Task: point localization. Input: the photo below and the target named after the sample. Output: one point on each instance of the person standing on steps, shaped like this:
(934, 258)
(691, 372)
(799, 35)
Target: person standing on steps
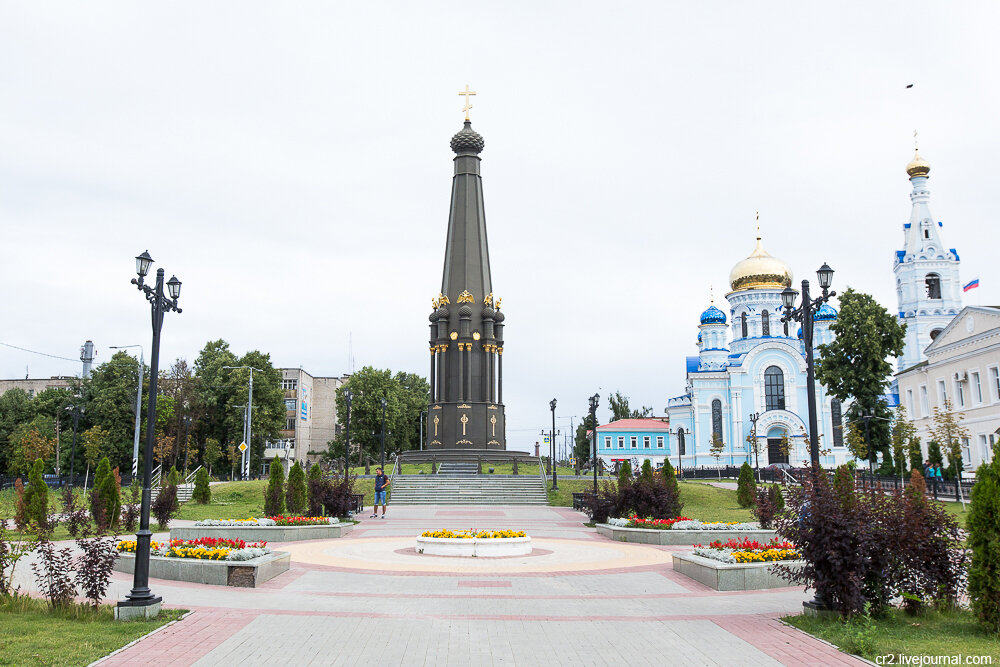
(381, 484)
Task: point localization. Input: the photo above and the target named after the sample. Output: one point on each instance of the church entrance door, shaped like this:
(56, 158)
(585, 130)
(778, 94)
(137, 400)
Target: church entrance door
(774, 454)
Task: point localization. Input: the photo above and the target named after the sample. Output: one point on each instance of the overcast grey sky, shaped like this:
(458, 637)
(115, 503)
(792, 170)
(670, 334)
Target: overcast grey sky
(290, 163)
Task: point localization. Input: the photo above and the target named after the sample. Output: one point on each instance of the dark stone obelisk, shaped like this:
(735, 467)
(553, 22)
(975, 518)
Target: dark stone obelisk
(466, 325)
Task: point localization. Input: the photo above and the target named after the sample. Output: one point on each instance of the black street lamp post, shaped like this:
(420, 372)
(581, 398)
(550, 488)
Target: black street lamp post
(754, 417)
(552, 442)
(348, 396)
(804, 314)
(381, 437)
(593, 434)
(75, 412)
(141, 596)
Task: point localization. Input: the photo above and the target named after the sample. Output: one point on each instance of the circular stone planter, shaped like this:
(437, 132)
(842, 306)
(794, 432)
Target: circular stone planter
(479, 547)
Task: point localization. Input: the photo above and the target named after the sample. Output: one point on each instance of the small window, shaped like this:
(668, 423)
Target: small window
(289, 403)
(837, 418)
(960, 393)
(717, 417)
(927, 233)
(743, 324)
(995, 382)
(645, 442)
(634, 441)
(933, 284)
(774, 388)
(607, 442)
(942, 393)
(765, 324)
(909, 403)
(289, 384)
(290, 424)
(977, 388)
(659, 442)
(924, 409)
(621, 442)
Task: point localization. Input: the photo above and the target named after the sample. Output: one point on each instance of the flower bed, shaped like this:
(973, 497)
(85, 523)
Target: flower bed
(473, 534)
(680, 523)
(203, 548)
(272, 521)
(474, 543)
(748, 551)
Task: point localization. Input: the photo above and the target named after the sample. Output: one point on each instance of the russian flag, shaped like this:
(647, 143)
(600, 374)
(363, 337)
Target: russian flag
(972, 284)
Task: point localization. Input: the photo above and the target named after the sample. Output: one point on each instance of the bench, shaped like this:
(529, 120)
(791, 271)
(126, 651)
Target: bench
(581, 500)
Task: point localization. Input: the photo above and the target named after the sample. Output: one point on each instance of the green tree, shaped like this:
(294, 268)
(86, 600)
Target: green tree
(110, 402)
(274, 495)
(625, 474)
(15, 409)
(746, 487)
(30, 441)
(174, 477)
(314, 486)
(582, 443)
(855, 365)
(716, 448)
(620, 408)
(949, 434)
(96, 443)
(36, 497)
(212, 453)
(916, 456)
(903, 432)
(934, 453)
(669, 475)
(984, 541)
(647, 470)
(296, 496)
(105, 499)
(202, 490)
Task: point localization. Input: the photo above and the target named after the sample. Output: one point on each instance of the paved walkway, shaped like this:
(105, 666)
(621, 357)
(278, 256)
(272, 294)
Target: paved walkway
(578, 599)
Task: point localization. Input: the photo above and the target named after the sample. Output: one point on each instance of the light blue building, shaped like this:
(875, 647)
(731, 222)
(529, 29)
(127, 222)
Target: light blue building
(752, 363)
(634, 440)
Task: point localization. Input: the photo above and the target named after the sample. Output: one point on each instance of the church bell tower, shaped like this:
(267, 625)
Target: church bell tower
(466, 325)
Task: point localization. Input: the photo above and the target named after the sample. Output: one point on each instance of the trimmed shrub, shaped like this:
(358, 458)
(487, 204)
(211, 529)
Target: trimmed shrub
(165, 507)
(769, 502)
(984, 541)
(338, 495)
(669, 476)
(202, 491)
(36, 497)
(606, 503)
(746, 487)
(296, 497)
(130, 509)
(316, 490)
(649, 497)
(105, 497)
(647, 470)
(274, 496)
(624, 474)
(174, 477)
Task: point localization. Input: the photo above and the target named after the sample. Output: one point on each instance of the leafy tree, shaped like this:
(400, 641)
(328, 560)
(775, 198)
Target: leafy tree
(716, 447)
(162, 448)
(36, 497)
(96, 443)
(202, 493)
(855, 365)
(29, 442)
(582, 444)
(15, 409)
(916, 456)
(406, 395)
(934, 456)
(110, 402)
(746, 487)
(903, 432)
(212, 453)
(984, 541)
(620, 408)
(295, 495)
(949, 433)
(274, 496)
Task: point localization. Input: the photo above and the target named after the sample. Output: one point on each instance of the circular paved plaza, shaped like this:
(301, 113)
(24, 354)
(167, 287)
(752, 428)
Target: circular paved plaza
(578, 599)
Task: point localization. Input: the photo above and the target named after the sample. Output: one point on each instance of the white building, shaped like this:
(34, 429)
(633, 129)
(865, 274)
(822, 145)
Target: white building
(310, 417)
(963, 366)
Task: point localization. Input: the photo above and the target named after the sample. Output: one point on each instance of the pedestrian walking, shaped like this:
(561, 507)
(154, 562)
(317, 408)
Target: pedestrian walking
(381, 484)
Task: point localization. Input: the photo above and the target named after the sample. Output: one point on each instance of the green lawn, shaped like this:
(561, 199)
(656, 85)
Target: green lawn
(931, 634)
(32, 634)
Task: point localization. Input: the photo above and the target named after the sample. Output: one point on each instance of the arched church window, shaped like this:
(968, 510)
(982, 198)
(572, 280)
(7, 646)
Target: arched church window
(743, 324)
(680, 441)
(765, 324)
(838, 423)
(774, 388)
(933, 283)
(717, 417)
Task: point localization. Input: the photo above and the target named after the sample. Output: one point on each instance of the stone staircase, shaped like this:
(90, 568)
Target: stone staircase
(459, 486)
(184, 492)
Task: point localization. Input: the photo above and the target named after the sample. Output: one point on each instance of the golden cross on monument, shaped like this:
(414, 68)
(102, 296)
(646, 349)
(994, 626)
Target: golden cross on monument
(464, 420)
(467, 106)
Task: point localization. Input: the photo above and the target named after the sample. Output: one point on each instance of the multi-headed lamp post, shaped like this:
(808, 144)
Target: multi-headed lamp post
(594, 400)
(804, 314)
(141, 601)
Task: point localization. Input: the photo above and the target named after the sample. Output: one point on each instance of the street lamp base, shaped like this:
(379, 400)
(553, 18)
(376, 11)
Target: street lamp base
(817, 607)
(130, 610)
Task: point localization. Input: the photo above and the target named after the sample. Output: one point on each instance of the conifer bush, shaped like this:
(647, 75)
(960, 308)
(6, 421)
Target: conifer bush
(274, 496)
(647, 470)
(296, 497)
(669, 475)
(984, 541)
(625, 473)
(315, 488)
(165, 507)
(36, 497)
(174, 477)
(746, 487)
(202, 493)
(105, 497)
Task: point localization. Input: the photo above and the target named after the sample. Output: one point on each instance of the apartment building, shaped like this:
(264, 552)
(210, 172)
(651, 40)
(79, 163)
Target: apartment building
(310, 417)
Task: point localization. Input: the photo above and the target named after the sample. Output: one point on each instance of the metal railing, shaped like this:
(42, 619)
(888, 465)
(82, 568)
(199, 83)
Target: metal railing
(190, 478)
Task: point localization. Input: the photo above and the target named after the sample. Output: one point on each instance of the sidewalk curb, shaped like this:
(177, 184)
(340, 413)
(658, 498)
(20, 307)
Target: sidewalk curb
(853, 655)
(139, 639)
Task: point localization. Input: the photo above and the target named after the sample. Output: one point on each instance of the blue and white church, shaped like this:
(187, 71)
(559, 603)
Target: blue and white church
(751, 363)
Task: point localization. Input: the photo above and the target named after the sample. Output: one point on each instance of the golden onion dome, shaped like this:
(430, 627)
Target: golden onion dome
(760, 270)
(918, 166)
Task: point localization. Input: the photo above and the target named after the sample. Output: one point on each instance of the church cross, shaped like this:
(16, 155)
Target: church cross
(467, 106)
